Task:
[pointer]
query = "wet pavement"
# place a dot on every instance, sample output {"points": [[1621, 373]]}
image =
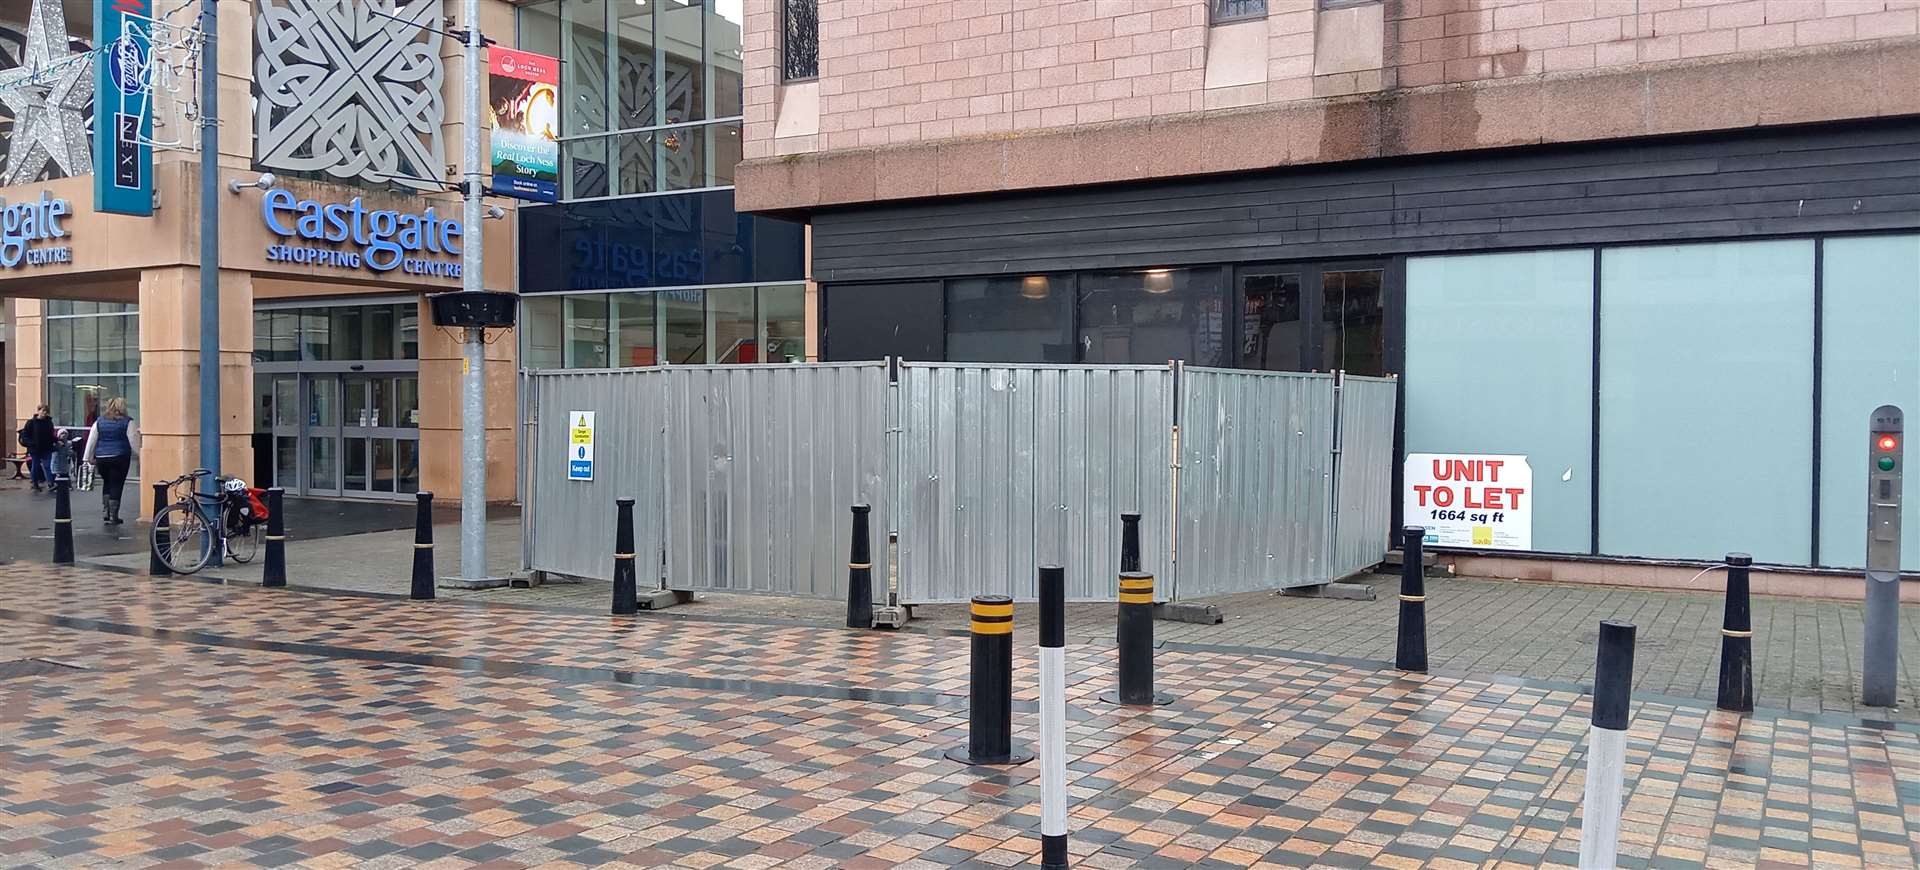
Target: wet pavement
{"points": [[183, 724]]}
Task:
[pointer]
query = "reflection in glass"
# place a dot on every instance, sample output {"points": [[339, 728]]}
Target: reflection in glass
{"points": [[1010, 319], [286, 462], [1273, 337], [407, 466], [356, 456], [322, 454], [800, 39], [315, 335], [356, 403], [348, 343], [286, 402], [1354, 314], [683, 157], [286, 336], [682, 44], [724, 152], [638, 166], [380, 331], [410, 331], [383, 470], [583, 66], [323, 393], [683, 316], [634, 315], [726, 20], [783, 323], [730, 325], [540, 332], [406, 393], [1150, 316], [583, 168], [634, 78], [586, 332]]}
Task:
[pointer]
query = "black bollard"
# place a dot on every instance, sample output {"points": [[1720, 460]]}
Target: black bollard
{"points": [[860, 571], [62, 523], [990, 689], [275, 572], [1135, 642], [157, 566], [1410, 653], [1736, 639], [1607, 745], [1053, 717], [423, 547], [626, 587], [1129, 542]]}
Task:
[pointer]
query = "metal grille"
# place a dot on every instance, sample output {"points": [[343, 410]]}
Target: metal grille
{"points": [[800, 40]]}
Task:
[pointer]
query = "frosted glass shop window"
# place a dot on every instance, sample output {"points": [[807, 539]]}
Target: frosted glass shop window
{"points": [[1869, 356], [1706, 400], [1500, 360]]}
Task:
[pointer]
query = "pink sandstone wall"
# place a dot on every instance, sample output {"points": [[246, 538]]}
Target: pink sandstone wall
{"points": [[908, 71]]}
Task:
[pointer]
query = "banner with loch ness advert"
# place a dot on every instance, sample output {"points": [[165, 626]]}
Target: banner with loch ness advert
{"points": [[525, 96]]}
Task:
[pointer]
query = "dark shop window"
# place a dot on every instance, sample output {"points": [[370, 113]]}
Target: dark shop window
{"points": [[1026, 319], [1149, 316], [1228, 11]]}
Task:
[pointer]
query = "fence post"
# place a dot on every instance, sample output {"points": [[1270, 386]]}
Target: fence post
{"points": [[275, 573], [1607, 746], [62, 522], [1053, 717], [1736, 639], [990, 687], [1410, 652], [1130, 541], [1134, 636], [423, 580], [860, 571], [157, 566], [626, 585]]}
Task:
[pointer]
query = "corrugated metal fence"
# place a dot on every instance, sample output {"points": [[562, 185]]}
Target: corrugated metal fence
{"points": [[1256, 477], [743, 475], [1003, 468]]}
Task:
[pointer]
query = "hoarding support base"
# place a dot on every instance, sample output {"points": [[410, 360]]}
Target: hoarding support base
{"points": [[661, 599]]}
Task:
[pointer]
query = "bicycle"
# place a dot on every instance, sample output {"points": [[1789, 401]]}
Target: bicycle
{"points": [[233, 516]]}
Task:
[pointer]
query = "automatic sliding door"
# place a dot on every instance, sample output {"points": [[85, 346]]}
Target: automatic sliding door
{"points": [[323, 434]]}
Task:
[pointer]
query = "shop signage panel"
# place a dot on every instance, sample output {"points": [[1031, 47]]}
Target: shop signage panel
{"points": [[348, 235], [23, 225], [122, 116], [525, 97], [580, 445], [1470, 499]]}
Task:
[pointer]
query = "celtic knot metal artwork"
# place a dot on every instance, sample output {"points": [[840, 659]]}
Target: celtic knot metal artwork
{"points": [[351, 89]]}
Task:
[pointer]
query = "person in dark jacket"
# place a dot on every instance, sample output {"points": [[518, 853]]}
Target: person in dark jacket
{"points": [[38, 439]]}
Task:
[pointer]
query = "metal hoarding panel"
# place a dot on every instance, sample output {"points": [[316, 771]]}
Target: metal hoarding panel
{"points": [[1365, 479], [763, 464], [1256, 455], [571, 522], [1003, 468]]}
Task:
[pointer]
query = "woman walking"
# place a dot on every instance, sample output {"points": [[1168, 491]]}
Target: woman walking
{"points": [[112, 442], [39, 440]]}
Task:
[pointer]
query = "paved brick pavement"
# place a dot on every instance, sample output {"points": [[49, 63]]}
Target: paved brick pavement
{"points": [[203, 725], [1807, 652]]}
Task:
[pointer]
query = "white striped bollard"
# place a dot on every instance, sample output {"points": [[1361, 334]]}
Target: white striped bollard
{"points": [[1607, 747], [1053, 717]]}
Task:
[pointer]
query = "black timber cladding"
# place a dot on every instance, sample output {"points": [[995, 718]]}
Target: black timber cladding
{"points": [[1777, 181]]}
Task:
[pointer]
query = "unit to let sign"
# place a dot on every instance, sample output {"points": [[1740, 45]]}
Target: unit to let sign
{"points": [[579, 445], [1470, 500]]}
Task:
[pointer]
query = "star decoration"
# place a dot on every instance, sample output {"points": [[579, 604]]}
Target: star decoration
{"points": [[48, 94]]}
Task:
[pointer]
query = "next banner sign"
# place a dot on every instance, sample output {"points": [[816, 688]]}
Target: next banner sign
{"points": [[1470, 500]]}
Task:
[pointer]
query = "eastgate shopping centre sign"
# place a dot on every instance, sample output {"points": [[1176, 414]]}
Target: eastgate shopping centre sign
{"points": [[349, 236], [23, 224]]}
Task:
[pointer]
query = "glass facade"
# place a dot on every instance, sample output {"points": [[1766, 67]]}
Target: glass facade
{"points": [[716, 325], [93, 354], [651, 92], [1712, 436], [337, 332], [337, 399]]}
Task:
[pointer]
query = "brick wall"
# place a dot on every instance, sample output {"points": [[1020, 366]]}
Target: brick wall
{"points": [[1470, 40], [900, 71]]}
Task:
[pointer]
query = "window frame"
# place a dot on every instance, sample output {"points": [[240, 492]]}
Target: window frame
{"points": [[1216, 17]]}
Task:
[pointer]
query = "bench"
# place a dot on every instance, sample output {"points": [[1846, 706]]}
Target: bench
{"points": [[19, 466]]}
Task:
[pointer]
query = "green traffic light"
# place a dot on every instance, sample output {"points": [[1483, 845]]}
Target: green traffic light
{"points": [[1886, 463]]}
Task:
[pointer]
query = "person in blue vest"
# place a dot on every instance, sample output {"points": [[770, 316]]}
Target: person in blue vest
{"points": [[112, 442]]}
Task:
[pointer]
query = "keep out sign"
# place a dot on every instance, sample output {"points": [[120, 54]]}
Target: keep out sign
{"points": [[1470, 499]]}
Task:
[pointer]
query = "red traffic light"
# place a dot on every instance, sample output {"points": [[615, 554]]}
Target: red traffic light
{"points": [[1886, 443]]}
